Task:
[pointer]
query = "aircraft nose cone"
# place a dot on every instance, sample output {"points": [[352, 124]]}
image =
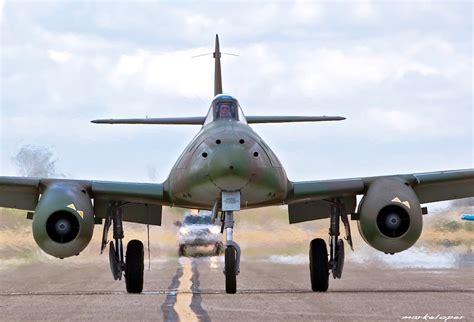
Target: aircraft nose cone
{"points": [[229, 167]]}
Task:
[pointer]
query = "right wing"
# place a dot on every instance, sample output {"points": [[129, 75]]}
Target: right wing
{"points": [[139, 198]]}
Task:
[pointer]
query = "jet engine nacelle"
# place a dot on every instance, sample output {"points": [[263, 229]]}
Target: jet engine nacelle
{"points": [[390, 217], [63, 222]]}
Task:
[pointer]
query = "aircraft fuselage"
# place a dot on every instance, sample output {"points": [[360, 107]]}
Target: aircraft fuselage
{"points": [[227, 155]]}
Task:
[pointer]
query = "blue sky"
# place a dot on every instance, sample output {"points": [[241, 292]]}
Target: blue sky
{"points": [[401, 72]]}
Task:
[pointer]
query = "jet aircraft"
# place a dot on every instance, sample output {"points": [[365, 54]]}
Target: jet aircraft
{"points": [[225, 168]]}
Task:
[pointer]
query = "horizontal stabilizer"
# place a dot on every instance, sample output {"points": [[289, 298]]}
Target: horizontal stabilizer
{"points": [[196, 120], [287, 119], [199, 120]]}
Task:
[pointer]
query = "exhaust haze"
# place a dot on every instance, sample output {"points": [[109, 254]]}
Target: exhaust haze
{"points": [[35, 161]]}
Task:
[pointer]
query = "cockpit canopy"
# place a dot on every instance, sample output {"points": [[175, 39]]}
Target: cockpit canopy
{"points": [[225, 107]]}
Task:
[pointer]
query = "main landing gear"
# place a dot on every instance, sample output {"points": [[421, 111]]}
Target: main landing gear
{"points": [[133, 264], [232, 253], [319, 264]]}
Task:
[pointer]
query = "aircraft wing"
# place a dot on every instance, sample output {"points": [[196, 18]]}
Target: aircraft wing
{"points": [[307, 196], [429, 186], [139, 198]]}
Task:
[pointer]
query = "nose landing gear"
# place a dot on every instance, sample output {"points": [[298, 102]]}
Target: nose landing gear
{"points": [[232, 254]]}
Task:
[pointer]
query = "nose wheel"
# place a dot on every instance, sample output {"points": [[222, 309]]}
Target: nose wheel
{"points": [[232, 254], [230, 270]]}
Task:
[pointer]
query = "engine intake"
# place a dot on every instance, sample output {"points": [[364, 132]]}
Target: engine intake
{"points": [[393, 221], [63, 222], [390, 216], [62, 227]]}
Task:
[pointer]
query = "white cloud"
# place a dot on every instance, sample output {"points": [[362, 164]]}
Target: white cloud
{"points": [[74, 42], [59, 56], [198, 21], [2, 4], [364, 10], [173, 72], [402, 122], [315, 72], [130, 64], [304, 11], [328, 71]]}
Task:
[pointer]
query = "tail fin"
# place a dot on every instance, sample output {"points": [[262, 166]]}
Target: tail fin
{"points": [[217, 69]]}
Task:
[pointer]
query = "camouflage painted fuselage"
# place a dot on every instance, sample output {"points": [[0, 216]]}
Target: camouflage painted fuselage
{"points": [[226, 155]]}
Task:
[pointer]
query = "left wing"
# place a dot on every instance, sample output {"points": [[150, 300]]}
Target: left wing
{"points": [[306, 196], [139, 198], [429, 186]]}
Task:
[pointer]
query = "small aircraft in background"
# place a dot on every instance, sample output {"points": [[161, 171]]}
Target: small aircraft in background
{"points": [[225, 168]]}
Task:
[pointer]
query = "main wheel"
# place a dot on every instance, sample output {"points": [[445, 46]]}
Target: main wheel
{"points": [[230, 270], [134, 266], [318, 265]]}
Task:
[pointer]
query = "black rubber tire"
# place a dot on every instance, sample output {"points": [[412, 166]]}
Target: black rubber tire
{"points": [[134, 266], [318, 265], [230, 270]]}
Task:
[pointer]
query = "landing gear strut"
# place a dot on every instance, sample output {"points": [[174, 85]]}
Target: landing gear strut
{"points": [[336, 245], [232, 254], [133, 264], [319, 264]]}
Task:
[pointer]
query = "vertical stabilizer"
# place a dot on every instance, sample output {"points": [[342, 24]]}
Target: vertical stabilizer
{"points": [[217, 69]]}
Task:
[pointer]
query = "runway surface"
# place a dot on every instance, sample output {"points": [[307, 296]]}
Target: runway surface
{"points": [[192, 289]]}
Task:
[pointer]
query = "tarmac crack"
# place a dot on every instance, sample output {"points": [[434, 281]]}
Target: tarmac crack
{"points": [[197, 298], [169, 313]]}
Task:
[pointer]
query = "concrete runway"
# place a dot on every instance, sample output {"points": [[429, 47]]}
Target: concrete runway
{"points": [[192, 289]]}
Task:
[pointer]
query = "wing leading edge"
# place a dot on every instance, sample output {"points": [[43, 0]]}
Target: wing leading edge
{"points": [[429, 186], [142, 201], [312, 200]]}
